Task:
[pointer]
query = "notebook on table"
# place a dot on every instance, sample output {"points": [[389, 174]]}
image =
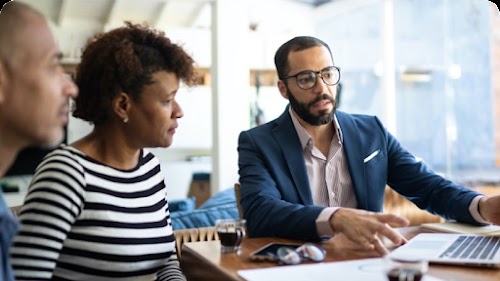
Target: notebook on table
{"points": [[448, 248], [456, 227]]}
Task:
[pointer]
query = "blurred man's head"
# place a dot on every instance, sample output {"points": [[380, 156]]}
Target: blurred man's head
{"points": [[34, 89]]}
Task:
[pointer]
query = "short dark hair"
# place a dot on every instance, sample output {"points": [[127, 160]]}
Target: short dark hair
{"points": [[124, 60], [13, 21], [295, 44]]}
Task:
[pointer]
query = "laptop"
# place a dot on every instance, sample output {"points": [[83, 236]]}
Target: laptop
{"points": [[448, 248]]}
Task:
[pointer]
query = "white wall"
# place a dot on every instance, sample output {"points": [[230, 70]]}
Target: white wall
{"points": [[277, 21]]}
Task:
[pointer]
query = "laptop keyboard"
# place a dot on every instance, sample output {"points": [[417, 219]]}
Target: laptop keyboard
{"points": [[473, 247]]}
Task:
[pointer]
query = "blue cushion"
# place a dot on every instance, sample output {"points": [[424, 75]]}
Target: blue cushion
{"points": [[179, 205], [219, 199], [220, 206]]}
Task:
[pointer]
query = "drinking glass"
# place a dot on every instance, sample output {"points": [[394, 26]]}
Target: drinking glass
{"points": [[231, 233], [405, 268]]}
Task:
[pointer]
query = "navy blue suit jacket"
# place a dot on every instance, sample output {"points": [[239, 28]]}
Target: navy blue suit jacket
{"points": [[275, 192]]}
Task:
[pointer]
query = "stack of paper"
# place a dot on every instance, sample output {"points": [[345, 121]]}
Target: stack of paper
{"points": [[455, 227], [356, 270]]}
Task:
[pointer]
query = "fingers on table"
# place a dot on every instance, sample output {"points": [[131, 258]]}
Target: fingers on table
{"points": [[375, 243], [381, 230], [379, 247], [384, 229], [393, 220]]}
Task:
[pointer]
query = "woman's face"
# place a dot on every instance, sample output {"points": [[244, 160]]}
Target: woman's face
{"points": [[153, 118]]}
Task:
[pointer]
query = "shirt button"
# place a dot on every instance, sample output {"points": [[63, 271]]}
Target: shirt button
{"points": [[332, 194]]}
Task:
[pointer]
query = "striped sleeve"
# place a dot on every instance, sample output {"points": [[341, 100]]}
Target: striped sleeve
{"points": [[54, 200], [171, 271]]}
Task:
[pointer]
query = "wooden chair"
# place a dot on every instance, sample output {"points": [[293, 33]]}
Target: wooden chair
{"points": [[237, 188], [16, 210], [396, 204], [488, 190], [193, 235]]}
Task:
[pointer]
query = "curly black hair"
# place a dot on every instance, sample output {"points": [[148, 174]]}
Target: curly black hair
{"points": [[124, 60]]}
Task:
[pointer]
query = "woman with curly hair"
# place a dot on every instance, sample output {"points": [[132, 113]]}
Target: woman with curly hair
{"points": [[97, 209]]}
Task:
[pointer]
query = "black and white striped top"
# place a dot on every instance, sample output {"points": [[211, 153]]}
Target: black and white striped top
{"points": [[83, 220]]}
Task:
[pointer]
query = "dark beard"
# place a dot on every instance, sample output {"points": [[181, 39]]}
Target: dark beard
{"points": [[303, 110]]}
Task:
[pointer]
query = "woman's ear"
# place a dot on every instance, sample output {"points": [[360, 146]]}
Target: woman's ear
{"points": [[121, 106]]}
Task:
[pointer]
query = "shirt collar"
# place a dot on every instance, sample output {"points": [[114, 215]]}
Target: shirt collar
{"points": [[304, 136]]}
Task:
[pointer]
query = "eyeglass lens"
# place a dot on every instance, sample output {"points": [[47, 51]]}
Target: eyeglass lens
{"points": [[307, 251], [308, 79], [288, 255]]}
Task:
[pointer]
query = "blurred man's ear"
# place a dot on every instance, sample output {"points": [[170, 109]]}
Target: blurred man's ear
{"points": [[3, 79]]}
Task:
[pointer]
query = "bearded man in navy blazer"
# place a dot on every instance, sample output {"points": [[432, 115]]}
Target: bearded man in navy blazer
{"points": [[314, 171]]}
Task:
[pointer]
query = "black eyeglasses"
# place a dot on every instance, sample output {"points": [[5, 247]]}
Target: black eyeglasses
{"points": [[307, 79], [288, 255]]}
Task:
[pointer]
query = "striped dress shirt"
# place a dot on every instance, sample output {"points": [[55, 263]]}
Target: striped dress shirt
{"points": [[329, 178]]}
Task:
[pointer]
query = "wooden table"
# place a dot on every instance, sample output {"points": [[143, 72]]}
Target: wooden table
{"points": [[204, 261]]}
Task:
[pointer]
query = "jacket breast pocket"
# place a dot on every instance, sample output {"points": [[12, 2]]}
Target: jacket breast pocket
{"points": [[375, 169]]}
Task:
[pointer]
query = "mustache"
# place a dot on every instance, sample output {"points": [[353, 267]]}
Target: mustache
{"points": [[320, 98]]}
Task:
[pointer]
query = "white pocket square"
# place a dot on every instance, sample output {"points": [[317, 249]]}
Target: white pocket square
{"points": [[370, 157]]}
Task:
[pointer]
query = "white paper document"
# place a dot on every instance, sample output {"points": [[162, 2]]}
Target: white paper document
{"points": [[455, 227], [356, 270]]}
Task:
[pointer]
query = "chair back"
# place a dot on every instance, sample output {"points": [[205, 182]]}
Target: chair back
{"points": [[396, 204], [16, 210], [237, 188], [194, 235]]}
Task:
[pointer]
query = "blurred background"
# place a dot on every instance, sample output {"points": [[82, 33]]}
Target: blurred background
{"points": [[430, 69]]}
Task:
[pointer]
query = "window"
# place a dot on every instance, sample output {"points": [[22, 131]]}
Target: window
{"points": [[443, 107]]}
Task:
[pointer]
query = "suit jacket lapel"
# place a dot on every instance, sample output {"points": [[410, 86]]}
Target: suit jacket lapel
{"points": [[354, 154], [285, 134]]}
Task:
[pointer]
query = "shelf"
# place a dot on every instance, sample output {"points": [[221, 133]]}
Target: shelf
{"points": [[268, 77]]}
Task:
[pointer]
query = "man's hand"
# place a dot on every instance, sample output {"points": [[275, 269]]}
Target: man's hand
{"points": [[366, 228], [489, 208]]}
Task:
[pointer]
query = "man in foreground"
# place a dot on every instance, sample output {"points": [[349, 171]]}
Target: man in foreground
{"points": [[34, 94]]}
